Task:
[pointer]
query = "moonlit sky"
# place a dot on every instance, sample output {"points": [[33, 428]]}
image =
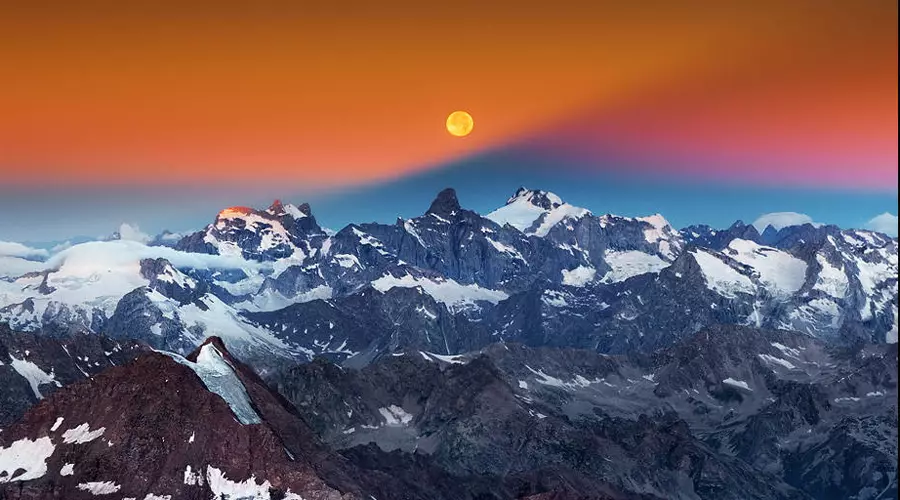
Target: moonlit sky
{"points": [[161, 113]]}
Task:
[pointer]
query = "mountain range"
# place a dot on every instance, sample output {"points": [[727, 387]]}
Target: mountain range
{"points": [[538, 351]]}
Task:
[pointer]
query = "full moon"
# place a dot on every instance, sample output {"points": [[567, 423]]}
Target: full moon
{"points": [[460, 123]]}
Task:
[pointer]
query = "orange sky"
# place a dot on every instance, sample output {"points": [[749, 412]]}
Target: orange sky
{"points": [[104, 93]]}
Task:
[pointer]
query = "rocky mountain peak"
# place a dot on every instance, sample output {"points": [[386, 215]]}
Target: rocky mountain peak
{"points": [[233, 212], [769, 234], [445, 203], [536, 197], [744, 231], [276, 207], [656, 220], [280, 209], [214, 341]]}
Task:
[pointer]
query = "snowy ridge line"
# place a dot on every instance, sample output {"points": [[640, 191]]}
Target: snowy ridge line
{"points": [[220, 378]]}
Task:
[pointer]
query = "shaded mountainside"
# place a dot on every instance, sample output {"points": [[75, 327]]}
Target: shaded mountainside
{"points": [[205, 426], [730, 412], [538, 351], [537, 271], [155, 427], [33, 366]]}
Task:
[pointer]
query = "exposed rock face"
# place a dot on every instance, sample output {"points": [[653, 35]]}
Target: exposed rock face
{"points": [[33, 366], [153, 427], [169, 282], [537, 351], [351, 329], [729, 412], [537, 271], [279, 232], [718, 239]]}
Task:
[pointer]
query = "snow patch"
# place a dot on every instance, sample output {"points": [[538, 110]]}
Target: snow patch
{"points": [[226, 489], [737, 383], [580, 276], [67, 470], [457, 359], [410, 228], [722, 278], [500, 247], [82, 434], [347, 261], [831, 279], [520, 214], [662, 234], [395, 415], [447, 291], [553, 217], [293, 211], [630, 263], [779, 271], [33, 374], [273, 300], [224, 321], [777, 361], [425, 312], [100, 487], [369, 240], [151, 496], [787, 351], [554, 298], [25, 455], [219, 377], [192, 478], [552, 381]]}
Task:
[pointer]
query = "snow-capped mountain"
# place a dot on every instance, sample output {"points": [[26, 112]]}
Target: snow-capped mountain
{"points": [[535, 212], [125, 289], [541, 351], [537, 270], [203, 426], [277, 233]]}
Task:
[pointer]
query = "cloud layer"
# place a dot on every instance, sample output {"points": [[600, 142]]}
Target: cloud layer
{"points": [[131, 232], [13, 249], [780, 220], [118, 252], [885, 223]]}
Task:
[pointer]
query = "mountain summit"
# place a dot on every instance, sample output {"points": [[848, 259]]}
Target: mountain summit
{"points": [[207, 428], [538, 198], [445, 203], [297, 212], [455, 356], [535, 211], [283, 230]]}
